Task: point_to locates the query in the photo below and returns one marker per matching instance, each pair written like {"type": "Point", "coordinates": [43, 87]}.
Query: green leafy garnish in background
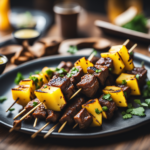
{"type": "Point", "coordinates": [72, 49]}
{"type": "Point", "coordinates": [138, 23]}
{"type": "Point", "coordinates": [2, 99]}
{"type": "Point", "coordinates": [18, 78]}
{"type": "Point", "coordinates": [11, 109]}
{"type": "Point", "coordinates": [107, 97]}
{"type": "Point", "coordinates": [97, 111]}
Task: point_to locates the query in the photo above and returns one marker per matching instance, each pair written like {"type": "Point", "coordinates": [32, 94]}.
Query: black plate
{"type": "Point", "coordinates": [113, 126]}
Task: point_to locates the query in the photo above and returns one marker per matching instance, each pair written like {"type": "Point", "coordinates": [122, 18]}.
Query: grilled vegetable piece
{"type": "Point", "coordinates": [141, 72]}
{"type": "Point", "coordinates": [84, 64]}
{"type": "Point", "coordinates": [117, 62]}
{"type": "Point", "coordinates": [126, 89]}
{"type": "Point", "coordinates": [117, 95]}
{"type": "Point", "coordinates": [53, 96]}
{"type": "Point", "coordinates": [94, 108]}
{"type": "Point", "coordinates": [111, 105]}
{"type": "Point", "coordinates": [130, 81]}
{"type": "Point", "coordinates": [83, 118]}
{"type": "Point", "coordinates": [123, 52]}
{"type": "Point", "coordinates": [46, 74]}
{"type": "Point", "coordinates": [24, 93]}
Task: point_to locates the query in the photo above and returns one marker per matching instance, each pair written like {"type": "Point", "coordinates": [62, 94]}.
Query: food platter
{"type": "Point", "coordinates": [109, 127]}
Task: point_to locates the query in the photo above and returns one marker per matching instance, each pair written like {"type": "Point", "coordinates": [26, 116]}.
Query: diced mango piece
{"type": "Point", "coordinates": [53, 96]}
{"type": "Point", "coordinates": [117, 95]}
{"type": "Point", "coordinates": [28, 82]}
{"type": "Point", "coordinates": [104, 114]}
{"type": "Point", "coordinates": [91, 107]}
{"type": "Point", "coordinates": [40, 80]}
{"type": "Point", "coordinates": [131, 81]}
{"type": "Point", "coordinates": [123, 52]}
{"type": "Point", "coordinates": [24, 93]}
{"type": "Point", "coordinates": [46, 75]}
{"type": "Point", "coordinates": [84, 64]}
{"type": "Point", "coordinates": [117, 62]}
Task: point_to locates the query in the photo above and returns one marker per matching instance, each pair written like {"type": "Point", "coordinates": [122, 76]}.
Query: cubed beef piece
{"type": "Point", "coordinates": [94, 60]}
{"type": "Point", "coordinates": [73, 107]}
{"type": "Point", "coordinates": [110, 80]}
{"type": "Point", "coordinates": [105, 62]}
{"type": "Point", "coordinates": [89, 85]}
{"type": "Point", "coordinates": [111, 105]}
{"type": "Point", "coordinates": [126, 89]}
{"type": "Point", "coordinates": [40, 112]}
{"type": "Point", "coordinates": [69, 92]}
{"type": "Point", "coordinates": [142, 74]}
{"type": "Point", "coordinates": [53, 116]}
{"type": "Point", "coordinates": [77, 76]}
{"type": "Point", "coordinates": [28, 118]}
{"type": "Point", "coordinates": [66, 65]}
{"type": "Point", "coordinates": [83, 118]}
{"type": "Point", "coordinates": [17, 124]}
{"type": "Point", "coordinates": [100, 72]}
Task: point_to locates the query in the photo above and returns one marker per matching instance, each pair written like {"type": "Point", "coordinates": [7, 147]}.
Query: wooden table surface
{"type": "Point", "coordinates": [136, 139]}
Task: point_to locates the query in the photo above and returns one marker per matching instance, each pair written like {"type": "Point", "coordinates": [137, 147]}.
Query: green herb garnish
{"type": "Point", "coordinates": [110, 69]}
{"type": "Point", "coordinates": [148, 102]}
{"type": "Point", "coordinates": [97, 111]}
{"type": "Point", "coordinates": [131, 53]}
{"type": "Point", "coordinates": [107, 97]}
{"type": "Point", "coordinates": [98, 70]}
{"type": "Point", "coordinates": [127, 116]}
{"type": "Point", "coordinates": [60, 70]}
{"type": "Point", "coordinates": [146, 91]}
{"type": "Point", "coordinates": [37, 72]}
{"type": "Point", "coordinates": [18, 78]}
{"type": "Point", "coordinates": [61, 75]}
{"type": "Point", "coordinates": [11, 109]}
{"type": "Point", "coordinates": [137, 76]}
{"type": "Point", "coordinates": [69, 75]}
{"type": "Point", "coordinates": [45, 86]}
{"type": "Point", "coordinates": [124, 82]}
{"type": "Point", "coordinates": [2, 99]}
{"type": "Point", "coordinates": [35, 80]}
{"type": "Point", "coordinates": [142, 63]}
{"type": "Point", "coordinates": [41, 79]}
{"type": "Point", "coordinates": [74, 70]}
{"type": "Point", "coordinates": [138, 101]}
{"type": "Point", "coordinates": [72, 49]}
{"type": "Point", "coordinates": [94, 52]}
{"type": "Point", "coordinates": [125, 94]}
{"type": "Point", "coordinates": [105, 108]}
{"type": "Point", "coordinates": [34, 104]}
{"type": "Point", "coordinates": [49, 72]}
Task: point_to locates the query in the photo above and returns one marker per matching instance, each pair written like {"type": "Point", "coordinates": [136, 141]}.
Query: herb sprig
{"type": "Point", "coordinates": [2, 99]}
{"type": "Point", "coordinates": [72, 49]}
{"type": "Point", "coordinates": [18, 78]}
{"type": "Point", "coordinates": [107, 97]}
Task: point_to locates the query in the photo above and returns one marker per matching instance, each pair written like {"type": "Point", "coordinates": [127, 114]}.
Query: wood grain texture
{"type": "Point", "coordinates": [137, 139]}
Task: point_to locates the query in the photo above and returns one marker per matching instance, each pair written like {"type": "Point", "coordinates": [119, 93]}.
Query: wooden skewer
{"type": "Point", "coordinates": [35, 134]}
{"type": "Point", "coordinates": [50, 131]}
{"type": "Point", "coordinates": [20, 114]}
{"type": "Point", "coordinates": [35, 122]}
{"type": "Point", "coordinates": [126, 42]}
{"type": "Point", "coordinates": [75, 93]}
{"type": "Point", "coordinates": [13, 104]}
{"type": "Point", "coordinates": [75, 125]}
{"type": "Point", "coordinates": [132, 48]}
{"type": "Point", "coordinates": [62, 126]}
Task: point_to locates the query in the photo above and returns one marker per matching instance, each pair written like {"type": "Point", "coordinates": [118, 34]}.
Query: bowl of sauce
{"type": "Point", "coordinates": [31, 35]}
{"type": "Point", "coordinates": [3, 62]}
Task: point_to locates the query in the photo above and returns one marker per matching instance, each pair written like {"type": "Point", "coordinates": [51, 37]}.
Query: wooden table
{"type": "Point", "coordinates": [136, 139]}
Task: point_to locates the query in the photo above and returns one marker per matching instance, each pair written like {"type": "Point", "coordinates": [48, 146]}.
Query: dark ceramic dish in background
{"type": "Point", "coordinates": [2, 66]}
{"type": "Point", "coordinates": [109, 127]}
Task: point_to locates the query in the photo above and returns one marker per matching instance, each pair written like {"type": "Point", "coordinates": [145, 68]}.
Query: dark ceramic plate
{"type": "Point", "coordinates": [114, 126]}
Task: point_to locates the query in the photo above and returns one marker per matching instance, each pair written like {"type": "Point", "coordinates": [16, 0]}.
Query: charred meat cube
{"type": "Point", "coordinates": [111, 105]}
{"type": "Point", "coordinates": [66, 65]}
{"type": "Point", "coordinates": [75, 78]}
{"type": "Point", "coordinates": [126, 89]}
{"type": "Point", "coordinates": [74, 106]}
{"type": "Point", "coordinates": [110, 80]}
{"type": "Point", "coordinates": [83, 118]}
{"type": "Point", "coordinates": [69, 91]}
{"type": "Point", "coordinates": [40, 112]}
{"type": "Point", "coordinates": [141, 74]}
{"type": "Point", "coordinates": [105, 62]}
{"type": "Point", "coordinates": [17, 124]}
{"type": "Point", "coordinates": [94, 60]}
{"type": "Point", "coordinates": [28, 118]}
{"type": "Point", "coordinates": [89, 85]}
{"type": "Point", "coordinates": [100, 72]}
{"type": "Point", "coordinates": [53, 116]}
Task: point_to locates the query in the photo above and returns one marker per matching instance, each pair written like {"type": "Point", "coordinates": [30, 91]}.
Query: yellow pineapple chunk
{"type": "Point", "coordinates": [94, 108]}
{"type": "Point", "coordinates": [84, 64]}
{"type": "Point", "coordinates": [123, 52]}
{"type": "Point", "coordinates": [53, 96]}
{"type": "Point", "coordinates": [39, 81]}
{"type": "Point", "coordinates": [117, 62]}
{"type": "Point", "coordinates": [131, 81]}
{"type": "Point", "coordinates": [24, 93]}
{"type": "Point", "coordinates": [117, 95]}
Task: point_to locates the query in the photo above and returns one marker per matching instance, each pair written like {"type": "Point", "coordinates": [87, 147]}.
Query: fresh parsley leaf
{"type": "Point", "coordinates": [137, 76]}
{"type": "Point", "coordinates": [41, 79]}
{"type": "Point", "coordinates": [18, 78]}
{"type": "Point", "coordinates": [107, 97]}
{"type": "Point", "coordinates": [72, 49]}
{"type": "Point", "coordinates": [49, 72]}
{"type": "Point", "coordinates": [130, 105]}
{"type": "Point", "coordinates": [34, 104]}
{"type": "Point", "coordinates": [35, 80]}
{"type": "Point", "coordinates": [74, 70]}
{"type": "Point", "coordinates": [131, 53]}
{"type": "Point", "coordinates": [94, 52]}
{"type": "Point", "coordinates": [144, 104]}
{"type": "Point", "coordinates": [137, 101]}
{"type": "Point", "coordinates": [61, 75]}
{"type": "Point", "coordinates": [148, 83]}
{"type": "Point", "coordinates": [110, 69]}
{"type": "Point", "coordinates": [124, 82]}
{"type": "Point", "coordinates": [69, 75]}
{"type": "Point", "coordinates": [45, 86]}
{"type": "Point", "coordinates": [125, 94]}
{"type": "Point", "coordinates": [127, 116]}
{"type": "Point", "coordinates": [129, 110]}
{"type": "Point", "coordinates": [98, 70]}
{"type": "Point", "coordinates": [11, 109]}
{"type": "Point", "coordinates": [37, 72]}
{"type": "Point", "coordinates": [2, 99]}
{"type": "Point", "coordinates": [97, 111]}
{"type": "Point", "coordinates": [105, 108]}
{"type": "Point", "coordinates": [123, 113]}
{"type": "Point", "coordinates": [60, 70]}
{"type": "Point", "coordinates": [148, 102]}
{"type": "Point", "coordinates": [138, 111]}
